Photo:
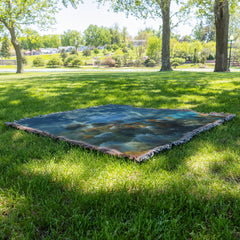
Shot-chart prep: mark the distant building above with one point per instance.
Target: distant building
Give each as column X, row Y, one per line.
column 102, row 47
column 82, row 48
column 33, row 52
column 137, row 43
column 48, row 50
column 67, row 48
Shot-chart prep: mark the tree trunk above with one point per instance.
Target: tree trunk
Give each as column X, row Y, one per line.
column 221, row 12
column 17, row 48
column 165, row 8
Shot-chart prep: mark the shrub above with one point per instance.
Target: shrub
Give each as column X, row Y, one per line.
column 54, row 62
column 96, row 50
column 203, row 59
column 195, row 56
column 138, row 62
column 126, row 59
column 211, row 57
column 86, row 52
column 24, row 60
column 119, row 60
column 131, row 46
column 68, row 60
column 109, row 61
column 73, row 61
column 150, row 62
column 125, row 50
column 122, row 45
column 195, row 59
column 109, row 48
column 63, row 54
column 74, row 51
column 76, row 62
column 105, row 52
column 115, row 46
column 97, row 62
column 153, row 48
column 175, row 64
column 118, row 52
column 130, row 63
column 236, row 55
column 180, row 54
column 38, row 62
column 178, row 60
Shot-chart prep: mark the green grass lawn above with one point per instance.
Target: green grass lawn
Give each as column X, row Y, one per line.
column 52, row 190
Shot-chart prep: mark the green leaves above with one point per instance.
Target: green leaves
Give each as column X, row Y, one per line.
column 74, row 3
column 71, row 38
column 5, row 49
column 97, row 36
column 21, row 13
column 16, row 15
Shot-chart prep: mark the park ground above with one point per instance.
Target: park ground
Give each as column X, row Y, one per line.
column 52, row 190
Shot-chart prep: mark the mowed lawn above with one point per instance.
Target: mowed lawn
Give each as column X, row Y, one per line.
column 52, row 190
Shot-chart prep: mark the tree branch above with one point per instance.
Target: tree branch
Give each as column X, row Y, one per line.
column 5, row 23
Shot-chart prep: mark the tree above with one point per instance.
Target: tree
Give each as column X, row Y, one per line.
column 15, row 15
column 97, row 36
column 144, row 35
column 63, row 54
column 144, row 9
column 165, row 9
column 115, row 35
column 221, row 10
column 31, row 41
column 186, row 38
column 72, row 38
column 154, row 48
column 124, row 35
column 50, row 41
column 205, row 32
column 5, row 50
column 234, row 25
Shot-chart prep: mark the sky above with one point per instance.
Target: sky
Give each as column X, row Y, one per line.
column 88, row 13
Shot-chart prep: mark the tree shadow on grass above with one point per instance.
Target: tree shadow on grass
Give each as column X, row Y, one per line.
column 56, row 205
column 68, row 91
column 109, row 198
column 45, row 205
column 39, row 95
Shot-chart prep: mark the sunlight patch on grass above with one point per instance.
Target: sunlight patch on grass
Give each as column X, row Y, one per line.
column 156, row 90
column 17, row 136
column 111, row 98
column 15, row 102
column 199, row 163
column 50, row 189
column 5, row 207
column 69, row 174
column 193, row 98
column 85, row 178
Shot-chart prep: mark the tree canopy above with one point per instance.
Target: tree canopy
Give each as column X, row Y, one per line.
column 17, row 15
column 220, row 10
column 22, row 13
column 234, row 25
column 71, row 38
column 97, row 36
column 145, row 9
column 5, row 49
